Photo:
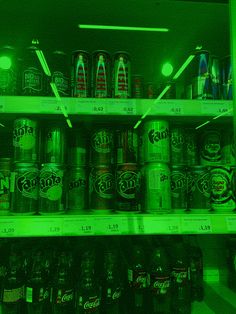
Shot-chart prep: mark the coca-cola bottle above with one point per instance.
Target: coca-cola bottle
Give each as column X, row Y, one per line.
column 137, row 280
column 37, row 286
column 181, row 302
column 13, row 291
column 159, row 282
column 88, row 297
column 63, row 287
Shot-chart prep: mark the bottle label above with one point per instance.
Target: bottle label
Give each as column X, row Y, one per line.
column 137, row 279
column 180, row 275
column 63, row 296
column 51, row 184
column 36, row 294
column 13, row 295
column 33, row 79
column 90, row 304
column 112, row 295
column 159, row 285
column 61, row 82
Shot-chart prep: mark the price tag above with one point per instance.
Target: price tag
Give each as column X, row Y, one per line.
column 8, row 229
column 78, row 226
column 162, row 225
column 169, row 108
column 215, row 109
column 196, row 225
column 42, row 227
column 99, row 109
column 110, row 225
column 231, row 223
column 51, row 106
column 122, row 107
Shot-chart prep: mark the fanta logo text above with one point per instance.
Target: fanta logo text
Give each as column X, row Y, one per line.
column 50, row 181
column 24, row 130
column 77, row 184
column 26, row 184
column 178, row 182
column 156, row 136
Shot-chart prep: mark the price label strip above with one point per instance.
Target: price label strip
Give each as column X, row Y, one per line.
column 8, row 229
column 215, row 109
column 122, row 107
column 199, row 225
column 231, row 224
column 160, row 225
column 78, row 226
column 111, row 225
column 41, row 227
column 169, row 108
column 51, row 106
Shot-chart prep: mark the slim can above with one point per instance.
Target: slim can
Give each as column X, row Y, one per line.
column 126, row 146
column 156, row 141
column 54, row 145
column 51, row 189
column 33, row 77
column 102, row 147
column 25, row 140
column 150, row 90
column 77, row 190
column 177, row 145
column 61, row 73
column 101, row 189
column 178, row 184
column 198, row 188
column 156, row 188
column 24, row 189
column 215, row 77
column 5, row 174
column 222, row 198
column 101, row 74
column 122, row 75
column 128, row 188
column 191, row 147
column 80, row 76
column 226, row 78
column 228, row 148
column 137, row 86
column 8, row 71
column 211, row 147
column 201, row 82
column 78, row 147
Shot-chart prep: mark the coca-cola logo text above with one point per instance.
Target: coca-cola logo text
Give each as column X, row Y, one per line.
column 92, row 304
column 156, row 136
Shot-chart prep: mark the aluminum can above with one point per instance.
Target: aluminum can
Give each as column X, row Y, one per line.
column 101, row 189
column 137, row 86
column 170, row 93
column 150, row 90
column 156, row 141
column 61, row 73
column 80, row 77
column 54, row 145
column 128, row 182
column 8, row 74
column 228, row 148
column 126, row 146
column 25, row 140
column 215, row 77
column 178, row 184
column 102, row 147
column 24, row 189
column 198, row 188
column 77, row 190
column 226, row 78
column 140, row 148
column 33, row 77
column 222, row 198
column 202, row 83
column 191, row 147
column 122, row 75
column 211, row 147
column 156, row 188
column 51, row 189
column 5, row 174
column 177, row 145
column 101, row 74
column 78, row 147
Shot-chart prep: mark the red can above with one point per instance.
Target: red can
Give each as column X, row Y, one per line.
column 80, row 78
column 126, row 146
column 101, row 74
column 137, row 86
column 122, row 75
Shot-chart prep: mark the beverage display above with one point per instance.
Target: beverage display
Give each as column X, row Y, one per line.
column 24, row 189
column 127, row 179
column 126, row 146
column 121, row 75
column 8, row 71
column 25, row 140
column 102, row 146
column 5, row 173
column 101, row 74
column 178, row 184
column 54, row 145
column 80, row 74
column 156, row 141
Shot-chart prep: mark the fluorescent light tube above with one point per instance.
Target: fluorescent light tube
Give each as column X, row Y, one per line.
column 124, row 28
column 43, row 62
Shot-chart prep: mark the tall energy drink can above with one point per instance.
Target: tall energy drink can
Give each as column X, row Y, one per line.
column 102, row 147
column 177, row 145
column 226, row 72
column 202, row 82
column 122, row 75
column 156, row 189
column 33, row 77
column 137, row 86
column 25, row 140
column 150, row 90
column 54, row 145
column 211, row 147
column 5, row 173
column 8, row 71
column 215, row 77
column 178, row 183
column 80, row 76
column 61, row 73
column 191, row 147
column 101, row 74
column 24, row 189
column 126, row 146
column 222, row 198
column 128, row 188
column 51, row 189
column 156, row 141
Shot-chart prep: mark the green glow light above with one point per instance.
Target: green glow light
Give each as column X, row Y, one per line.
column 55, row 90
column 137, row 124
column 183, row 67
column 5, row 63
column 69, row 123
column 167, row 69
column 201, row 125
column 123, row 28
column 43, row 62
